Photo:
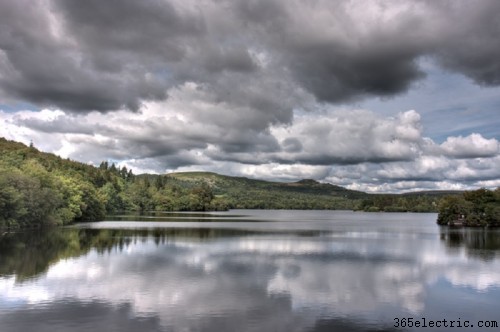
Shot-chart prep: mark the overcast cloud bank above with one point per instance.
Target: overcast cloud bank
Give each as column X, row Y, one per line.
column 357, row 149
column 258, row 88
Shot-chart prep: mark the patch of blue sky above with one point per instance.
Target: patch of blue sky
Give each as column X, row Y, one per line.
column 449, row 104
column 461, row 121
column 18, row 106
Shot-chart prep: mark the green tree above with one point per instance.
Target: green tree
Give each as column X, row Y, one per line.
column 452, row 208
column 140, row 195
column 478, row 207
column 112, row 198
column 201, row 197
column 11, row 207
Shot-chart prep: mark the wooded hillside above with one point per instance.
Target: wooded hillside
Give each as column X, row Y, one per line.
column 38, row 188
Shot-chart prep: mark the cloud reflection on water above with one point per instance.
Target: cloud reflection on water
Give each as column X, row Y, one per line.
column 259, row 281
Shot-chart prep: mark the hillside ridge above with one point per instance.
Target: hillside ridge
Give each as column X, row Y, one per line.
column 42, row 188
column 222, row 182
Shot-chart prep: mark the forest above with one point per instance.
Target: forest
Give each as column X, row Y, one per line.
column 38, row 188
column 477, row 208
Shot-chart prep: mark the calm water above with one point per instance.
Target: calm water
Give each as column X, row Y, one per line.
column 250, row 271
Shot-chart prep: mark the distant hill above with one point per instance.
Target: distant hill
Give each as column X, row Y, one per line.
column 224, row 183
column 242, row 192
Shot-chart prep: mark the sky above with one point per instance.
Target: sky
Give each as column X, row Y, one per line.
column 379, row 96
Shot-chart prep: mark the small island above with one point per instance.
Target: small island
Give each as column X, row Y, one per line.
column 478, row 208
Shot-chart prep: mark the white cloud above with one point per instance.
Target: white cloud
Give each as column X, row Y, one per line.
column 472, row 146
column 344, row 137
column 358, row 149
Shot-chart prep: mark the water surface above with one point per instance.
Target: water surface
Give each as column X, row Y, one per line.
column 249, row 271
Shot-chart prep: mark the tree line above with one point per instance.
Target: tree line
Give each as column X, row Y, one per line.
column 399, row 203
column 472, row 208
column 39, row 189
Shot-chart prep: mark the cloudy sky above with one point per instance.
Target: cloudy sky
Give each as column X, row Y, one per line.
column 384, row 96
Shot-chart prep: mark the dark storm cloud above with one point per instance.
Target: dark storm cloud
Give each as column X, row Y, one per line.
column 348, row 50
column 61, row 124
column 473, row 46
column 338, row 76
column 109, row 55
column 330, row 58
column 292, row 144
column 152, row 29
column 83, row 58
column 270, row 13
column 234, row 59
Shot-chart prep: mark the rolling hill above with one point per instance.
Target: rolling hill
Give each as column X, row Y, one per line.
column 242, row 192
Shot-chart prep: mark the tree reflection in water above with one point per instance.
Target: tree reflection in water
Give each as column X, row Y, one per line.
column 30, row 253
column 481, row 243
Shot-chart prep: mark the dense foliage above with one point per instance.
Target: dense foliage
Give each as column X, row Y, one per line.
column 472, row 208
column 421, row 202
column 243, row 193
column 39, row 188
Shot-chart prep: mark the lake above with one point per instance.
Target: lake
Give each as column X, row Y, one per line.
column 246, row 270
